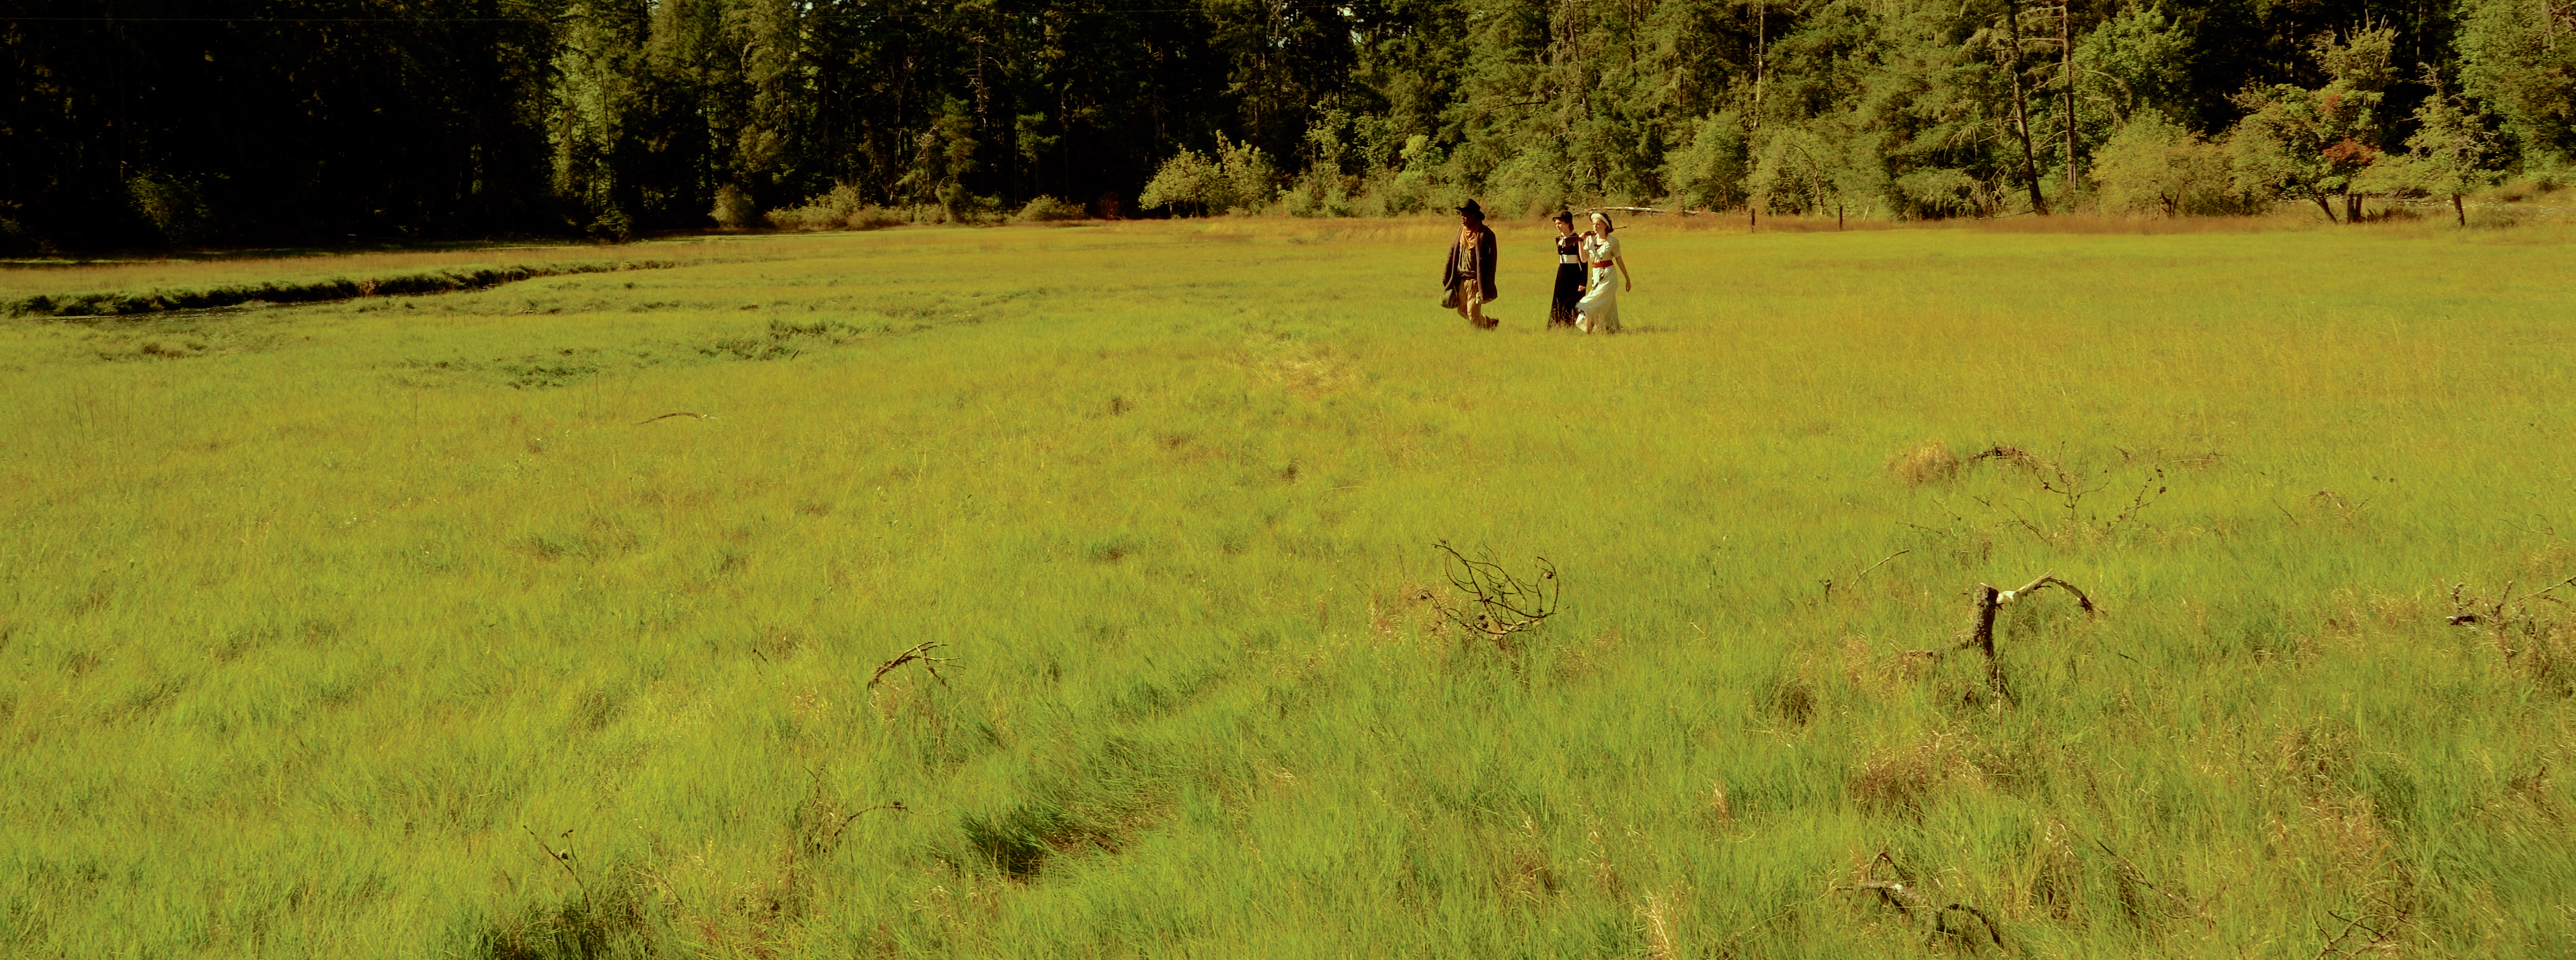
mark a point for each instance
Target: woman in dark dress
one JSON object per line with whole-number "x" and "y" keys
{"x": 1569, "y": 273}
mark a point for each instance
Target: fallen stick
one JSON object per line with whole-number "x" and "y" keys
{"x": 667, "y": 416}
{"x": 921, "y": 652}
{"x": 1908, "y": 899}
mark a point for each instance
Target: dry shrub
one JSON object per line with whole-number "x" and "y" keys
{"x": 1856, "y": 662}
{"x": 1721, "y": 808}
{"x": 1927, "y": 462}
{"x": 1793, "y": 701}
{"x": 2547, "y": 657}
{"x": 2398, "y": 614}
{"x": 1660, "y": 943}
{"x": 2313, "y": 758}
{"x": 2056, "y": 876}
{"x": 2534, "y": 631}
{"x": 2532, "y": 787}
{"x": 2379, "y": 890}
{"x": 1605, "y": 873}
{"x": 1526, "y": 872}
{"x": 1412, "y": 605}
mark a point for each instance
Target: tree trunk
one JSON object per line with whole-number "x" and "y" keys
{"x": 2324, "y": 206}
{"x": 2066, "y": 59}
{"x": 2352, "y": 208}
{"x": 2021, "y": 108}
{"x": 2459, "y": 210}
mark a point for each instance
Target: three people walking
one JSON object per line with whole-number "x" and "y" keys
{"x": 1586, "y": 292}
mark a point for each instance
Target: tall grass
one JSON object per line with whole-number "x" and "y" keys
{"x": 309, "y": 628}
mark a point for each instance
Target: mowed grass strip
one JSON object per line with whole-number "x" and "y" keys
{"x": 415, "y": 627}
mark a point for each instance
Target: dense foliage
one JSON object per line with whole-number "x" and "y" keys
{"x": 230, "y": 120}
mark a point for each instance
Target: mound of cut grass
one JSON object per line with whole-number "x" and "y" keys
{"x": 120, "y": 303}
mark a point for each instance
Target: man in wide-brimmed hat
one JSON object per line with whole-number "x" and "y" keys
{"x": 1469, "y": 278}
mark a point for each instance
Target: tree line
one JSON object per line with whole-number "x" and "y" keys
{"x": 138, "y": 122}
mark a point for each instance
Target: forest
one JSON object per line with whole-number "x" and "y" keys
{"x": 141, "y": 123}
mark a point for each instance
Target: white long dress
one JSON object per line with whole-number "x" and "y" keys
{"x": 1598, "y": 311}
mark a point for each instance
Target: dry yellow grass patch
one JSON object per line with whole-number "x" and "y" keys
{"x": 1928, "y": 462}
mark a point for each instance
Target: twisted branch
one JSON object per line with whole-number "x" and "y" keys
{"x": 1505, "y": 604}
{"x": 920, "y": 652}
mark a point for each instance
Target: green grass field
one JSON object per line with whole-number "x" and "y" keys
{"x": 324, "y": 629}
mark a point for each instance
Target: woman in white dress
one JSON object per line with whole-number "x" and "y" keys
{"x": 1598, "y": 311}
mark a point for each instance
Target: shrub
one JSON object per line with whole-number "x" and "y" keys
{"x": 2152, "y": 165}
{"x": 613, "y": 226}
{"x": 1185, "y": 182}
{"x": 172, "y": 205}
{"x": 1238, "y": 177}
{"x": 1319, "y": 193}
{"x": 734, "y": 209}
{"x": 1044, "y": 209}
{"x": 1251, "y": 179}
{"x": 841, "y": 209}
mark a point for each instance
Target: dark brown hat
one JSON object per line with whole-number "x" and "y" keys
{"x": 1472, "y": 210}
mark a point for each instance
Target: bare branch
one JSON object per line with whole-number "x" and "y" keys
{"x": 667, "y": 416}
{"x": 1981, "y": 632}
{"x": 1908, "y": 898}
{"x": 919, "y": 652}
{"x": 1505, "y": 604}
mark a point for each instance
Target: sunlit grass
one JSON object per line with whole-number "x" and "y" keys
{"x": 308, "y": 612}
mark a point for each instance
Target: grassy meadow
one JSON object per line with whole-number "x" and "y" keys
{"x": 415, "y": 627}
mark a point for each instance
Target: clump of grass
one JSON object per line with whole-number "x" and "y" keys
{"x": 1905, "y": 779}
{"x": 1928, "y": 462}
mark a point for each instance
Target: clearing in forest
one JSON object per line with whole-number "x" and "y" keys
{"x": 548, "y": 619}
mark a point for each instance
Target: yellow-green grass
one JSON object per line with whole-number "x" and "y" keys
{"x": 305, "y": 630}
{"x": 200, "y": 273}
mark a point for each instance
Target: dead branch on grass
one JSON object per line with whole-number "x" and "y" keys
{"x": 2071, "y": 488}
{"x": 920, "y": 653}
{"x": 2388, "y": 916}
{"x": 2537, "y": 643}
{"x": 1908, "y": 899}
{"x": 820, "y": 823}
{"x": 2503, "y": 610}
{"x": 1504, "y": 604}
{"x": 682, "y": 413}
{"x": 2128, "y": 872}
{"x": 1864, "y": 571}
{"x": 1981, "y": 636}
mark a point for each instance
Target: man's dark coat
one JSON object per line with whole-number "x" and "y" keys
{"x": 1478, "y": 263}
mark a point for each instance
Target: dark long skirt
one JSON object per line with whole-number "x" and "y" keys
{"x": 1569, "y": 288}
